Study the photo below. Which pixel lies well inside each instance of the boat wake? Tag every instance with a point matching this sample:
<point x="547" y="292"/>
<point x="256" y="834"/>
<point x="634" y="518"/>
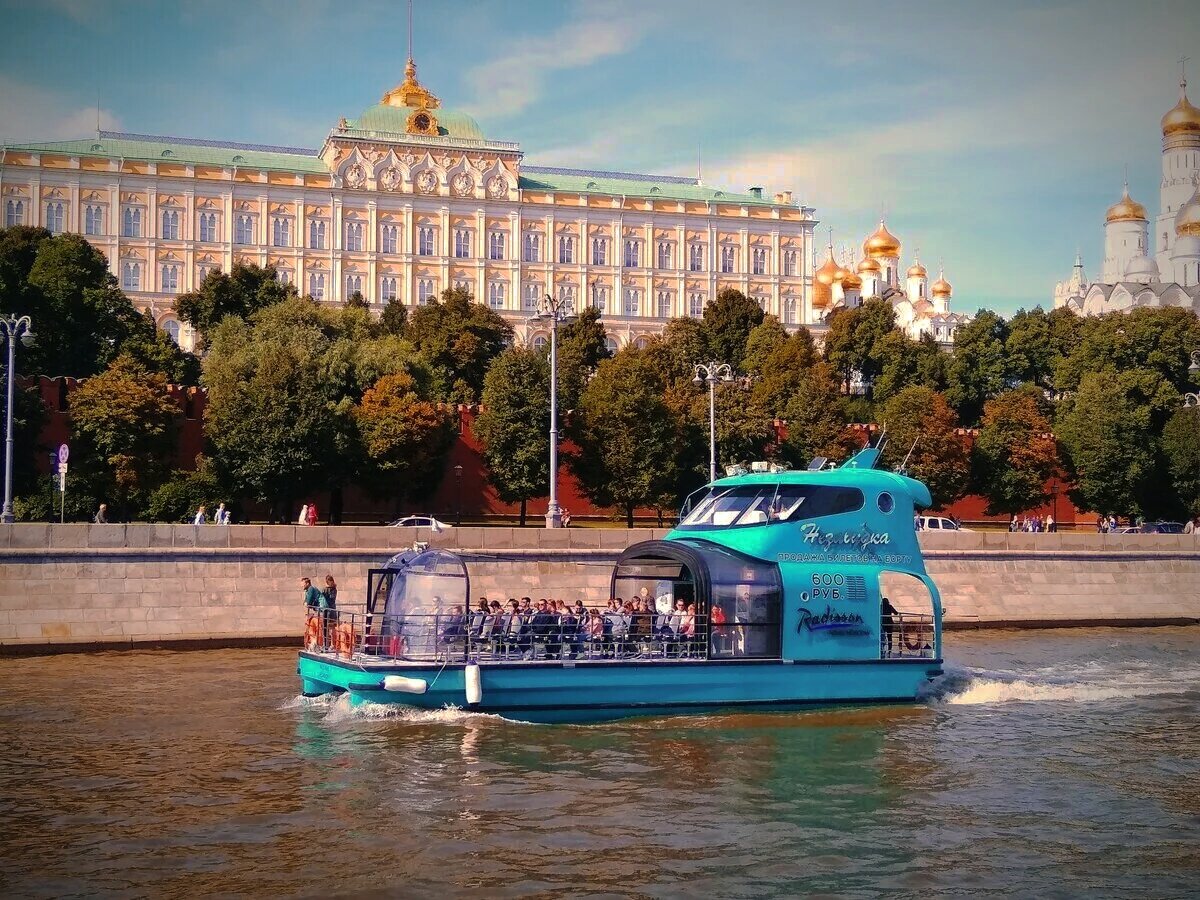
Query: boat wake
<point x="969" y="686"/>
<point x="337" y="708"/>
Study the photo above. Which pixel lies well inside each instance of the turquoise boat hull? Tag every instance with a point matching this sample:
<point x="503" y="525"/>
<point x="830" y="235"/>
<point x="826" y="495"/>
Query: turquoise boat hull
<point x="603" y="690"/>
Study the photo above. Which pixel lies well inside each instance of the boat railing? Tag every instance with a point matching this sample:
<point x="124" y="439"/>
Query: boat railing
<point x="444" y="637"/>
<point x="910" y="635"/>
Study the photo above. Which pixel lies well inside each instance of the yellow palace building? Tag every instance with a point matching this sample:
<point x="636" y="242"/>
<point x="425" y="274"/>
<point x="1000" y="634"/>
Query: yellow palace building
<point x="406" y="200"/>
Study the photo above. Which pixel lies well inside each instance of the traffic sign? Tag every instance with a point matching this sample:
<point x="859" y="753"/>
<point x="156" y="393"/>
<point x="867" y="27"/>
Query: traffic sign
<point x="62" y="482"/>
<point x="64" y="453"/>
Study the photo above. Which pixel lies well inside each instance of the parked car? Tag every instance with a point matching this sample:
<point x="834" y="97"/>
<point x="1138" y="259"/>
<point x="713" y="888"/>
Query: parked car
<point x="939" y="523"/>
<point x="420" y="522"/>
<point x="1162" y="528"/>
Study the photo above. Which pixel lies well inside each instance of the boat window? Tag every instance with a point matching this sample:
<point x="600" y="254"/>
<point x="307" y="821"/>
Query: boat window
<point x="426" y="590"/>
<point x="886" y="503"/>
<point x="733" y="507"/>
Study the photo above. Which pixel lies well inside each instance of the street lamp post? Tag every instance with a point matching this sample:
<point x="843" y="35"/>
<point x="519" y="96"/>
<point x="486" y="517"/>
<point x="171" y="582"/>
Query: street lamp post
<point x="458" y="492"/>
<point x="710" y="373"/>
<point x="557" y="310"/>
<point x="11" y="328"/>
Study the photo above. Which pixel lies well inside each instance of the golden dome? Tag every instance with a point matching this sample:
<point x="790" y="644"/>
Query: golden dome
<point x="882" y="243"/>
<point x="1126" y="210"/>
<point x="1183" y="118"/>
<point x="851" y="282"/>
<point x="842" y="274"/>
<point x="941" y="287"/>
<point x="1187" y="220"/>
<point x="869" y="265"/>
<point x="916" y="270"/>
<point x="828" y="272"/>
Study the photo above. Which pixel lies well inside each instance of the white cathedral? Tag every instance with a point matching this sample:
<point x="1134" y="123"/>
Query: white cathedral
<point x="1131" y="276"/>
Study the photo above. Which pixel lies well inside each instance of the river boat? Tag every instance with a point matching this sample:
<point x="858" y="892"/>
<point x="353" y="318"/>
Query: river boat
<point x="785" y="573"/>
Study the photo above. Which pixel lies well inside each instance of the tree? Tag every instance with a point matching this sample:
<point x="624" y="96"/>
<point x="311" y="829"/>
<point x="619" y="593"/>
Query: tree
<point x="675" y="353"/>
<point x="357" y="300"/>
<point x="745" y="430"/>
<point x="513" y="423"/>
<point x="1181" y="446"/>
<point x="978" y="369"/>
<point x="784" y="372"/>
<point x="582" y="347"/>
<point x="124" y="426"/>
<point x="764" y="339"/>
<point x="404" y="439"/>
<point x="1154" y="339"/>
<point x="1109" y="430"/>
<point x="152" y="348"/>
<point x="1015" y="452"/>
<point x="626" y="435"/>
<point x="728" y="321"/>
<point x="854" y="341"/>
<point x="922" y="427"/>
<point x="184" y="492"/>
<point x="816" y="419"/>
<point x="394" y="318"/>
<point x="459" y="338"/>
<point x="243" y="292"/>
<point x="1030" y="350"/>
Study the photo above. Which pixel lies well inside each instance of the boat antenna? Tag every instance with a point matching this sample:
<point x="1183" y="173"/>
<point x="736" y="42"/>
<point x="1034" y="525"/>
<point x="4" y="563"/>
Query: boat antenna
<point x="882" y="441"/>
<point x="904" y="465"/>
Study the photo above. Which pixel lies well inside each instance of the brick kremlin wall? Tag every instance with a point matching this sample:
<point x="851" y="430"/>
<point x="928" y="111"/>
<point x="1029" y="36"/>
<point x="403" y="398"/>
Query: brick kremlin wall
<point x="68" y="587"/>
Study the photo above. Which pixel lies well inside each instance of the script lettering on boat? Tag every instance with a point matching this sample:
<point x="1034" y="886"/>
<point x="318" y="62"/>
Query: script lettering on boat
<point x="831" y="620"/>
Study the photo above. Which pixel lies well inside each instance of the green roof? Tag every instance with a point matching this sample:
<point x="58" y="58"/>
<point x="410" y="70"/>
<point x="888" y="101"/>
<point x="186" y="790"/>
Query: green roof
<point x="668" y="187"/>
<point x="154" y="148"/>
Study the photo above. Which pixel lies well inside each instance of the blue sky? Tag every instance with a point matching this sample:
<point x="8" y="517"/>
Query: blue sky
<point x="994" y="135"/>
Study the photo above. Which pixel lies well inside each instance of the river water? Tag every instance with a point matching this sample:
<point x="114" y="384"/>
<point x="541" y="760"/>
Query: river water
<point x="1045" y="764"/>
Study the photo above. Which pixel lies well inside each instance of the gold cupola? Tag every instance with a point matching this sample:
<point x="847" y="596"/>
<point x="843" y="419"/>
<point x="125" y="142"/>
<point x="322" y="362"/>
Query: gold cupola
<point x="1181" y="124"/>
<point x="866" y="264"/>
<point x="916" y="270"/>
<point x="851" y="282"/>
<point x="882" y="244"/>
<point x="941" y="288"/>
<point x="1126" y="209"/>
<point x="823" y="280"/>
<point x="1187" y="220"/>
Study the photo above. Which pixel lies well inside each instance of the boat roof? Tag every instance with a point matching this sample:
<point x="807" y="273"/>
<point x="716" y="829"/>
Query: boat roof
<point x="848" y="475"/>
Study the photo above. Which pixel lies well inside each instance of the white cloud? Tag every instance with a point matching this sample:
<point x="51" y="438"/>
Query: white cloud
<point x="30" y="113"/>
<point x="513" y="81"/>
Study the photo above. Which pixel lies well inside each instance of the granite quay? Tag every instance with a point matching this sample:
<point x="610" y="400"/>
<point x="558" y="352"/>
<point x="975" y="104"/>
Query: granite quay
<point x="75" y="587"/>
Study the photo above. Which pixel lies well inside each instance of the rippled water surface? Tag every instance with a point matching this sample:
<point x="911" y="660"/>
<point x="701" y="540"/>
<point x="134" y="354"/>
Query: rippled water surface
<point x="1046" y="764"/>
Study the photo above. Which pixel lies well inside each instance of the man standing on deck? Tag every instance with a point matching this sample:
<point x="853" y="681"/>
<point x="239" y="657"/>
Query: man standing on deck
<point x="313" y="599"/>
<point x="887" y="622"/>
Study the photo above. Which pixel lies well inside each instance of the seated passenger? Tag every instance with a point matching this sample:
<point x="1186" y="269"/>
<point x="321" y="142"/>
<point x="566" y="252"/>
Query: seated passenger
<point x="594" y="630"/>
<point x="455" y="628"/>
<point x="479" y="617"/>
<point x="544" y="624"/>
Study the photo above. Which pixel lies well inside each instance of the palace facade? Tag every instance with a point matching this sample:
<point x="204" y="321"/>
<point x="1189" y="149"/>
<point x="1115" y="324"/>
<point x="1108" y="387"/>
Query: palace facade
<point x="406" y="200"/>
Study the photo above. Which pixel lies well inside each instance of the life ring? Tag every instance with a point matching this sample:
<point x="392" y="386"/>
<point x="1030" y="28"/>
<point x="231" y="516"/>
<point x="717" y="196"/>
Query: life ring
<point x="312" y="633"/>
<point x="343" y="640"/>
<point x="912" y="637"/>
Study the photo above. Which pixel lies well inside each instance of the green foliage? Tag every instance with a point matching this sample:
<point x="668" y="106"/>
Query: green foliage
<point x="1181" y="447"/>
<point x="979" y="367"/>
<point x="904" y="362"/>
<point x="921" y="421"/>
<point x="1109" y="430"/>
<point x="178" y="498"/>
<point x="394" y="318"/>
<point x="1015" y="452"/>
<point x="816" y="419"/>
<point x="404" y="437"/>
<point x="243" y="292"/>
<point x="581" y="349"/>
<point x="783" y="372"/>
<point x="513" y="425"/>
<point x="764" y="339"/>
<point x="1155" y="339"/>
<point x="44" y="502"/>
<point x="745" y="432"/>
<point x="358" y="301"/>
<point x="459" y="338"/>
<point x="124" y="427"/>
<point x="152" y="348"/>
<point x="855" y="340"/>
<point x="626" y="434"/>
<point x="675" y="353"/>
<point x="728" y="321"/>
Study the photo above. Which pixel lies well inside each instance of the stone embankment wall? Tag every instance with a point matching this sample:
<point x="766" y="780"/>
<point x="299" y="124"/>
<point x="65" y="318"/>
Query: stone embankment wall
<point x="110" y="586"/>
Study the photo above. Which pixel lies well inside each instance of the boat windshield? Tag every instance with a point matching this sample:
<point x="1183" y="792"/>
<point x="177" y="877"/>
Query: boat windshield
<point x="428" y="593"/>
<point x="765" y="504"/>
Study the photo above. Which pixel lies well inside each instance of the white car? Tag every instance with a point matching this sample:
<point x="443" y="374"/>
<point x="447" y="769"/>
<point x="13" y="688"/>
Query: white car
<point x="939" y="523"/>
<point x="421" y="522"/>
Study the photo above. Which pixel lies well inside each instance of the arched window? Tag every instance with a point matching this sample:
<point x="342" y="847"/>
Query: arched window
<point x="283" y="276"/>
<point x="540" y="341"/>
<point x="665" y="299"/>
<point x="131" y="223"/>
<point x="789" y="263"/>
<point x="633" y="302"/>
<point x="387" y="288"/>
<point x="316" y="285"/>
<point x="496" y="245"/>
<point x="389" y="238"/>
<point x="425" y="291"/>
<point x="93" y="220"/>
<point x="131" y="276"/>
<point x="281" y="232"/>
<point x="531" y="247"/>
<point x="353" y="285"/>
<point x="759" y="261"/>
<point x="170" y="225"/>
<point x="696" y="257"/>
<point x="496" y="295"/>
<point x="633" y="254"/>
<point x="208" y="227"/>
<point x="566" y="250"/>
<point x="599" y="252"/>
<point x="789" y="311"/>
<point x="531" y="295"/>
<point x="316" y="235"/>
<point x="611" y="343"/>
<point x="425" y="240"/>
<point x="665" y="255"/>
<point x="728" y="256"/>
<point x="171" y="327"/>
<point x="354" y="236"/>
<point x="599" y="297"/>
<point x="54" y="217"/>
<point x="641" y="342"/>
<point x="696" y="306"/>
<point x="462" y="243"/>
<point x="170" y="279"/>
<point x="14" y="213"/>
<point x="243" y="230"/>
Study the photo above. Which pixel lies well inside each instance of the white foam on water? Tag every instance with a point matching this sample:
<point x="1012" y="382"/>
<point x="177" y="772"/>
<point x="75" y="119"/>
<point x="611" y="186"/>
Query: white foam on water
<point x="967" y="686"/>
<point x="341" y="710"/>
<point x="302" y="702"/>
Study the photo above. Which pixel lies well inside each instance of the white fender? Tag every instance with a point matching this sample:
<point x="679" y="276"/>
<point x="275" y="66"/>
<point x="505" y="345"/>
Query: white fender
<point x="404" y="684"/>
<point x="474" y="684"/>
